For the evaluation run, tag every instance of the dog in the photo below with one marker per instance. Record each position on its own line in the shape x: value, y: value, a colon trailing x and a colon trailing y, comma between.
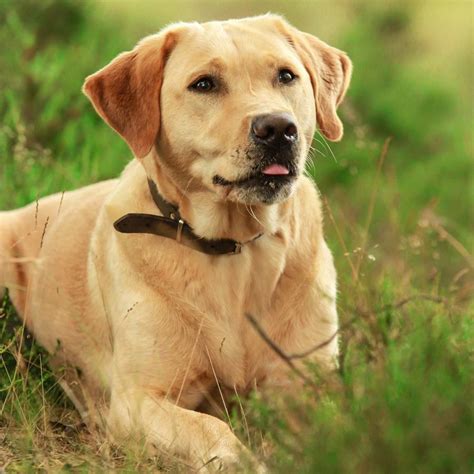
x: 141, y: 288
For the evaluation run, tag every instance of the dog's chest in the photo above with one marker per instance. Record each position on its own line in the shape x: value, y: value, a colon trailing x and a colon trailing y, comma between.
x: 239, y: 287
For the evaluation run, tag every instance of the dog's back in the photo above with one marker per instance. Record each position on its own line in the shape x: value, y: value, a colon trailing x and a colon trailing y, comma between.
x: 20, y: 239
x: 24, y: 234
x: 6, y: 239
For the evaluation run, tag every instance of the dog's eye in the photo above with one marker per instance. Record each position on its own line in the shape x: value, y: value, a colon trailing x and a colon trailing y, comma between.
x: 285, y: 76
x: 204, y: 84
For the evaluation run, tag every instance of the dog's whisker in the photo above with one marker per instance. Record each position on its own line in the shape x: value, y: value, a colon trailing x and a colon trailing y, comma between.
x: 252, y: 214
x: 326, y: 144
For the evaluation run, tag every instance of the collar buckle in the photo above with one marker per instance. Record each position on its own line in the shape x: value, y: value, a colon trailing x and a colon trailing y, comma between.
x: 238, y: 248
x: 179, y: 230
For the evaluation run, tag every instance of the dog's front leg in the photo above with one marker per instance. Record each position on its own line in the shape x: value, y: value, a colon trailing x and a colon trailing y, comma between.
x: 306, y: 327
x: 207, y: 442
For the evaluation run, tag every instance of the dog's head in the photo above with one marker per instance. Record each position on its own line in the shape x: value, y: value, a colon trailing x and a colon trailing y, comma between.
x: 230, y: 107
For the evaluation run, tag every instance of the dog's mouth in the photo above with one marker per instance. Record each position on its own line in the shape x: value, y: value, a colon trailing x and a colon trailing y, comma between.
x: 271, y: 175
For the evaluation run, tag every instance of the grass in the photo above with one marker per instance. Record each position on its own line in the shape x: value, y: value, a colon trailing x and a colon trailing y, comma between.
x: 399, y: 223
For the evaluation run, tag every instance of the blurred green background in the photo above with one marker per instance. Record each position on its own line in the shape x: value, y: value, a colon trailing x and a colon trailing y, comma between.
x: 400, y: 223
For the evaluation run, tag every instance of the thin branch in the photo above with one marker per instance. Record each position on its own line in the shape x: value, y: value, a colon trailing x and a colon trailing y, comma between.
x: 278, y: 350
x: 458, y: 246
x: 382, y: 309
x: 321, y: 345
x: 60, y: 203
x: 288, y: 358
x: 404, y: 301
x: 44, y: 231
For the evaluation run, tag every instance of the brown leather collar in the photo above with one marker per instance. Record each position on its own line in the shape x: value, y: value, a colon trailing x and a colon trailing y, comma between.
x: 171, y: 226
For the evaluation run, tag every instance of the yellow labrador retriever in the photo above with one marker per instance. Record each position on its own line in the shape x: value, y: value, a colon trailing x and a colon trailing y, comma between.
x: 141, y: 285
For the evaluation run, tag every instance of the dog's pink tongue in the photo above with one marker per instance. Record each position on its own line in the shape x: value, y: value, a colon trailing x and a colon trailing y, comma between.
x: 275, y: 170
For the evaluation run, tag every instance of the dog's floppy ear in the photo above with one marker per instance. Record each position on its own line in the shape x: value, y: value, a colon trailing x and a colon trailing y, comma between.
x: 126, y: 92
x: 330, y: 71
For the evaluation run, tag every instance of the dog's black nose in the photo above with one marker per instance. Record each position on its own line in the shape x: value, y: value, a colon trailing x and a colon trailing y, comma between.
x: 274, y: 129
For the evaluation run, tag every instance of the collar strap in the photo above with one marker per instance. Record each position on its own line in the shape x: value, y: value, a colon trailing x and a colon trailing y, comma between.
x: 172, y: 226
x: 165, y: 207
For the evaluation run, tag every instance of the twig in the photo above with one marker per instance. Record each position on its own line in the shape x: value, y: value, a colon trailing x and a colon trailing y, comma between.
x: 458, y: 246
x: 288, y: 358
x: 404, y: 301
x: 278, y: 350
x: 382, y: 309
x: 321, y: 345
x: 36, y: 212
x: 44, y: 232
x: 60, y: 203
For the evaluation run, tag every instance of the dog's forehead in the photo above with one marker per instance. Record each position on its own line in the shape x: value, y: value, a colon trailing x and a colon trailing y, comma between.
x: 231, y: 42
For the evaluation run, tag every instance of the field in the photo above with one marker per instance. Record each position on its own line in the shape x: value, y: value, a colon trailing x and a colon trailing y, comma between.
x: 399, y: 199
